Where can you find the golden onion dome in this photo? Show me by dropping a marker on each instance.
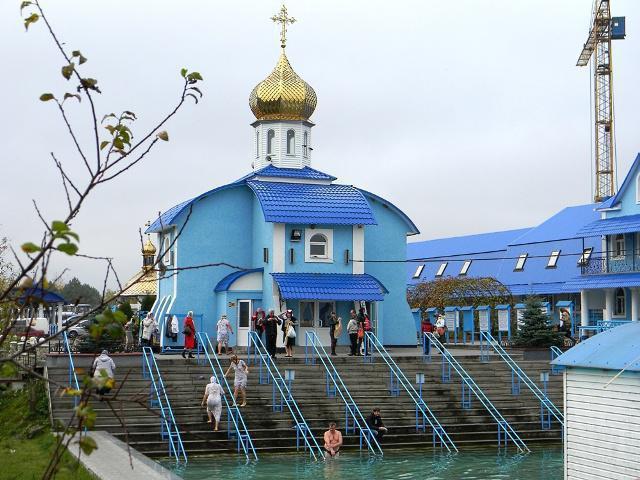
(283, 95)
(148, 248)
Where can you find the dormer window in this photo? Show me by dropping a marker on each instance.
(418, 271)
(520, 262)
(318, 245)
(291, 142)
(441, 269)
(553, 259)
(271, 135)
(465, 267)
(586, 255)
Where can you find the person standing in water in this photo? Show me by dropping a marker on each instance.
(332, 440)
(213, 399)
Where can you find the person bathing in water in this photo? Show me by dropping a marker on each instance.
(332, 440)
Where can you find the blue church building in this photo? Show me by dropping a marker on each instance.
(285, 236)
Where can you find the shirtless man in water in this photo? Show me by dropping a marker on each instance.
(332, 440)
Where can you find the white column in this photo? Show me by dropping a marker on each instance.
(609, 301)
(635, 304)
(584, 308)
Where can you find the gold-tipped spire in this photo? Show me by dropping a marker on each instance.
(283, 19)
(283, 95)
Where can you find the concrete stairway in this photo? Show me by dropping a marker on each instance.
(368, 384)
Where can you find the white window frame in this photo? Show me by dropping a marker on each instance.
(623, 311)
(615, 252)
(553, 259)
(166, 256)
(305, 144)
(418, 271)
(328, 234)
(465, 267)
(441, 269)
(520, 263)
(316, 312)
(257, 143)
(638, 188)
(586, 256)
(291, 142)
(271, 140)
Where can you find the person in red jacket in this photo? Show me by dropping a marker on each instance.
(189, 331)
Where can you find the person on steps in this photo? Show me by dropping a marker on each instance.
(333, 325)
(149, 326)
(332, 440)
(224, 329)
(289, 333)
(240, 382)
(103, 373)
(189, 331)
(374, 422)
(271, 329)
(213, 399)
(352, 330)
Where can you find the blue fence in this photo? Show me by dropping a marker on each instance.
(282, 394)
(469, 386)
(73, 377)
(335, 386)
(547, 407)
(398, 379)
(235, 420)
(158, 398)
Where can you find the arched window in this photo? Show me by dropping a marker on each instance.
(257, 143)
(291, 142)
(318, 246)
(271, 135)
(620, 306)
(305, 144)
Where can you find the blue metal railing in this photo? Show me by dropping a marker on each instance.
(555, 353)
(397, 378)
(517, 372)
(239, 430)
(284, 389)
(168, 426)
(73, 377)
(353, 417)
(505, 430)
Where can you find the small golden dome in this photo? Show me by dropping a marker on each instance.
(283, 95)
(148, 248)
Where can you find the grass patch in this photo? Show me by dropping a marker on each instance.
(26, 442)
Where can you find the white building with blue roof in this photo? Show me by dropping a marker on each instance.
(285, 236)
(602, 405)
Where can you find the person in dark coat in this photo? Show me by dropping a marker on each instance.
(374, 422)
(271, 330)
(258, 320)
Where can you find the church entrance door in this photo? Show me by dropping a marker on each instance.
(314, 315)
(244, 322)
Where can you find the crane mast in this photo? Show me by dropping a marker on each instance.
(604, 29)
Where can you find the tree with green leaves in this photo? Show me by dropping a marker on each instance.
(535, 328)
(74, 291)
(147, 302)
(458, 291)
(125, 307)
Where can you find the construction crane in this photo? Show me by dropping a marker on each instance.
(604, 29)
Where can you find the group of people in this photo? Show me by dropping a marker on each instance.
(266, 327)
(359, 323)
(333, 437)
(213, 391)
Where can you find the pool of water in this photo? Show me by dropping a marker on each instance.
(544, 464)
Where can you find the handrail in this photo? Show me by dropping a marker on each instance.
(302, 428)
(166, 412)
(471, 384)
(413, 394)
(72, 369)
(540, 395)
(233, 411)
(341, 389)
(555, 353)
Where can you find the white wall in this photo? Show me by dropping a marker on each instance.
(602, 425)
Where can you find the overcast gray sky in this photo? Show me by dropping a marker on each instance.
(471, 116)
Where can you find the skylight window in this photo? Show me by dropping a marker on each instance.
(441, 269)
(553, 259)
(418, 271)
(520, 262)
(465, 267)
(586, 255)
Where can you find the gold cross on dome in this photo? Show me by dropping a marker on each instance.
(282, 18)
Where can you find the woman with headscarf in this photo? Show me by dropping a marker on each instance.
(149, 326)
(213, 398)
(189, 331)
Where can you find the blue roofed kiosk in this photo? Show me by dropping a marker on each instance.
(285, 236)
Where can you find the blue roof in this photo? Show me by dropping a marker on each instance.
(412, 229)
(307, 173)
(329, 286)
(312, 203)
(606, 280)
(167, 217)
(40, 295)
(224, 284)
(624, 224)
(563, 225)
(613, 349)
(539, 288)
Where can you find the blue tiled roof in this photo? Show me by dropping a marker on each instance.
(167, 217)
(224, 284)
(625, 224)
(562, 225)
(613, 349)
(607, 280)
(307, 173)
(329, 286)
(312, 203)
(37, 294)
(538, 288)
(412, 229)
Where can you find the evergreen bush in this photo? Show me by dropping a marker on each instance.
(535, 329)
